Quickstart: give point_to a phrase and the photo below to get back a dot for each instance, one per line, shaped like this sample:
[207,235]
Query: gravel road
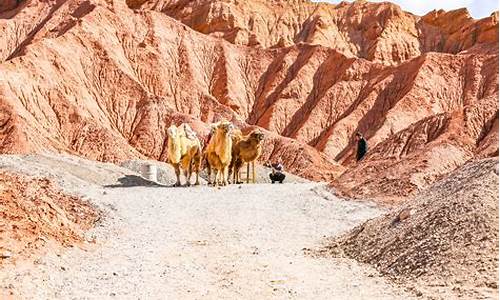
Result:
[237,242]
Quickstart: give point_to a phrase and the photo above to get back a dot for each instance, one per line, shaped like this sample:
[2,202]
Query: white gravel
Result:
[237,242]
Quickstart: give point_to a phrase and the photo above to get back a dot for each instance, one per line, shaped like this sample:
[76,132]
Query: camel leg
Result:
[225,175]
[177,175]
[188,173]
[230,173]
[197,171]
[209,173]
[248,173]
[217,178]
[186,176]
[237,174]
[253,172]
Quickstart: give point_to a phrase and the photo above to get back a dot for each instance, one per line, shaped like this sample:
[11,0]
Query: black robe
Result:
[362,149]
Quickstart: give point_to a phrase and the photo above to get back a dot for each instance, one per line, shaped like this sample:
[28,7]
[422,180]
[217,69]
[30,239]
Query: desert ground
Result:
[127,237]
[157,242]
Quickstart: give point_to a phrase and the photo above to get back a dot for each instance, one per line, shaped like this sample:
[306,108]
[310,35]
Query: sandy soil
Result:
[238,242]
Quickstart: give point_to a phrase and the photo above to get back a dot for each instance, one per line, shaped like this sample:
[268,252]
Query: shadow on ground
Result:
[134,180]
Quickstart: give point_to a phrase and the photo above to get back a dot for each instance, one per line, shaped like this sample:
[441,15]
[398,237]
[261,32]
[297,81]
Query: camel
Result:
[184,152]
[237,135]
[218,152]
[246,149]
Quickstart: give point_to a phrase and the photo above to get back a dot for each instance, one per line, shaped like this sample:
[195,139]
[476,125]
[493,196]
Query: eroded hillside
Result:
[104,79]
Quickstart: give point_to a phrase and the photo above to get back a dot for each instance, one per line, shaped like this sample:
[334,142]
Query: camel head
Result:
[225,128]
[257,135]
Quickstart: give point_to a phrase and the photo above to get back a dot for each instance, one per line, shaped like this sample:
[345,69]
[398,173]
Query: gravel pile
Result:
[443,241]
[35,213]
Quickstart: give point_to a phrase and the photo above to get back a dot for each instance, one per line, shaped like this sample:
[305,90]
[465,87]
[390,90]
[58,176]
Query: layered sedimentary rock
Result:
[104,79]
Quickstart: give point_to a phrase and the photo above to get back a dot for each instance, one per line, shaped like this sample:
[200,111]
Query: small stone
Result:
[404,214]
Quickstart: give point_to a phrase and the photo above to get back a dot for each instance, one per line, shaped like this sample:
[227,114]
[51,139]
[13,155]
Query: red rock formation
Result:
[104,79]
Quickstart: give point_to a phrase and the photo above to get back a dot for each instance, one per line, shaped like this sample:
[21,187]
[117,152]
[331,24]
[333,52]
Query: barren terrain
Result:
[443,243]
[236,242]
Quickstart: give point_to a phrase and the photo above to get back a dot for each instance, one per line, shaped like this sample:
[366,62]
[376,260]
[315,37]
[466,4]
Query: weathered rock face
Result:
[100,79]
[379,32]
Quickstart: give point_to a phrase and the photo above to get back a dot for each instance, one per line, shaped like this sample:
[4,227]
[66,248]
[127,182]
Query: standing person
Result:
[277,172]
[362,147]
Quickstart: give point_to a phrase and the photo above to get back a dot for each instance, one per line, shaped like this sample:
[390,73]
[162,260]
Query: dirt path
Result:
[232,243]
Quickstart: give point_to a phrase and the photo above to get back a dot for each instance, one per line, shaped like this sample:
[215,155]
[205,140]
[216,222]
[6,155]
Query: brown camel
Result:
[246,149]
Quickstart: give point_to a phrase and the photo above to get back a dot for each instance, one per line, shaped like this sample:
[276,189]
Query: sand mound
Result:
[445,238]
[34,213]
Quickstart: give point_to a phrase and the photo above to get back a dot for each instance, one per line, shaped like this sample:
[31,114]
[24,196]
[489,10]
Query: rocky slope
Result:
[445,240]
[103,79]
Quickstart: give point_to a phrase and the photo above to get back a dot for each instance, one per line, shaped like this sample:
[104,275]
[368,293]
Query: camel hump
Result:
[172,131]
[189,133]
